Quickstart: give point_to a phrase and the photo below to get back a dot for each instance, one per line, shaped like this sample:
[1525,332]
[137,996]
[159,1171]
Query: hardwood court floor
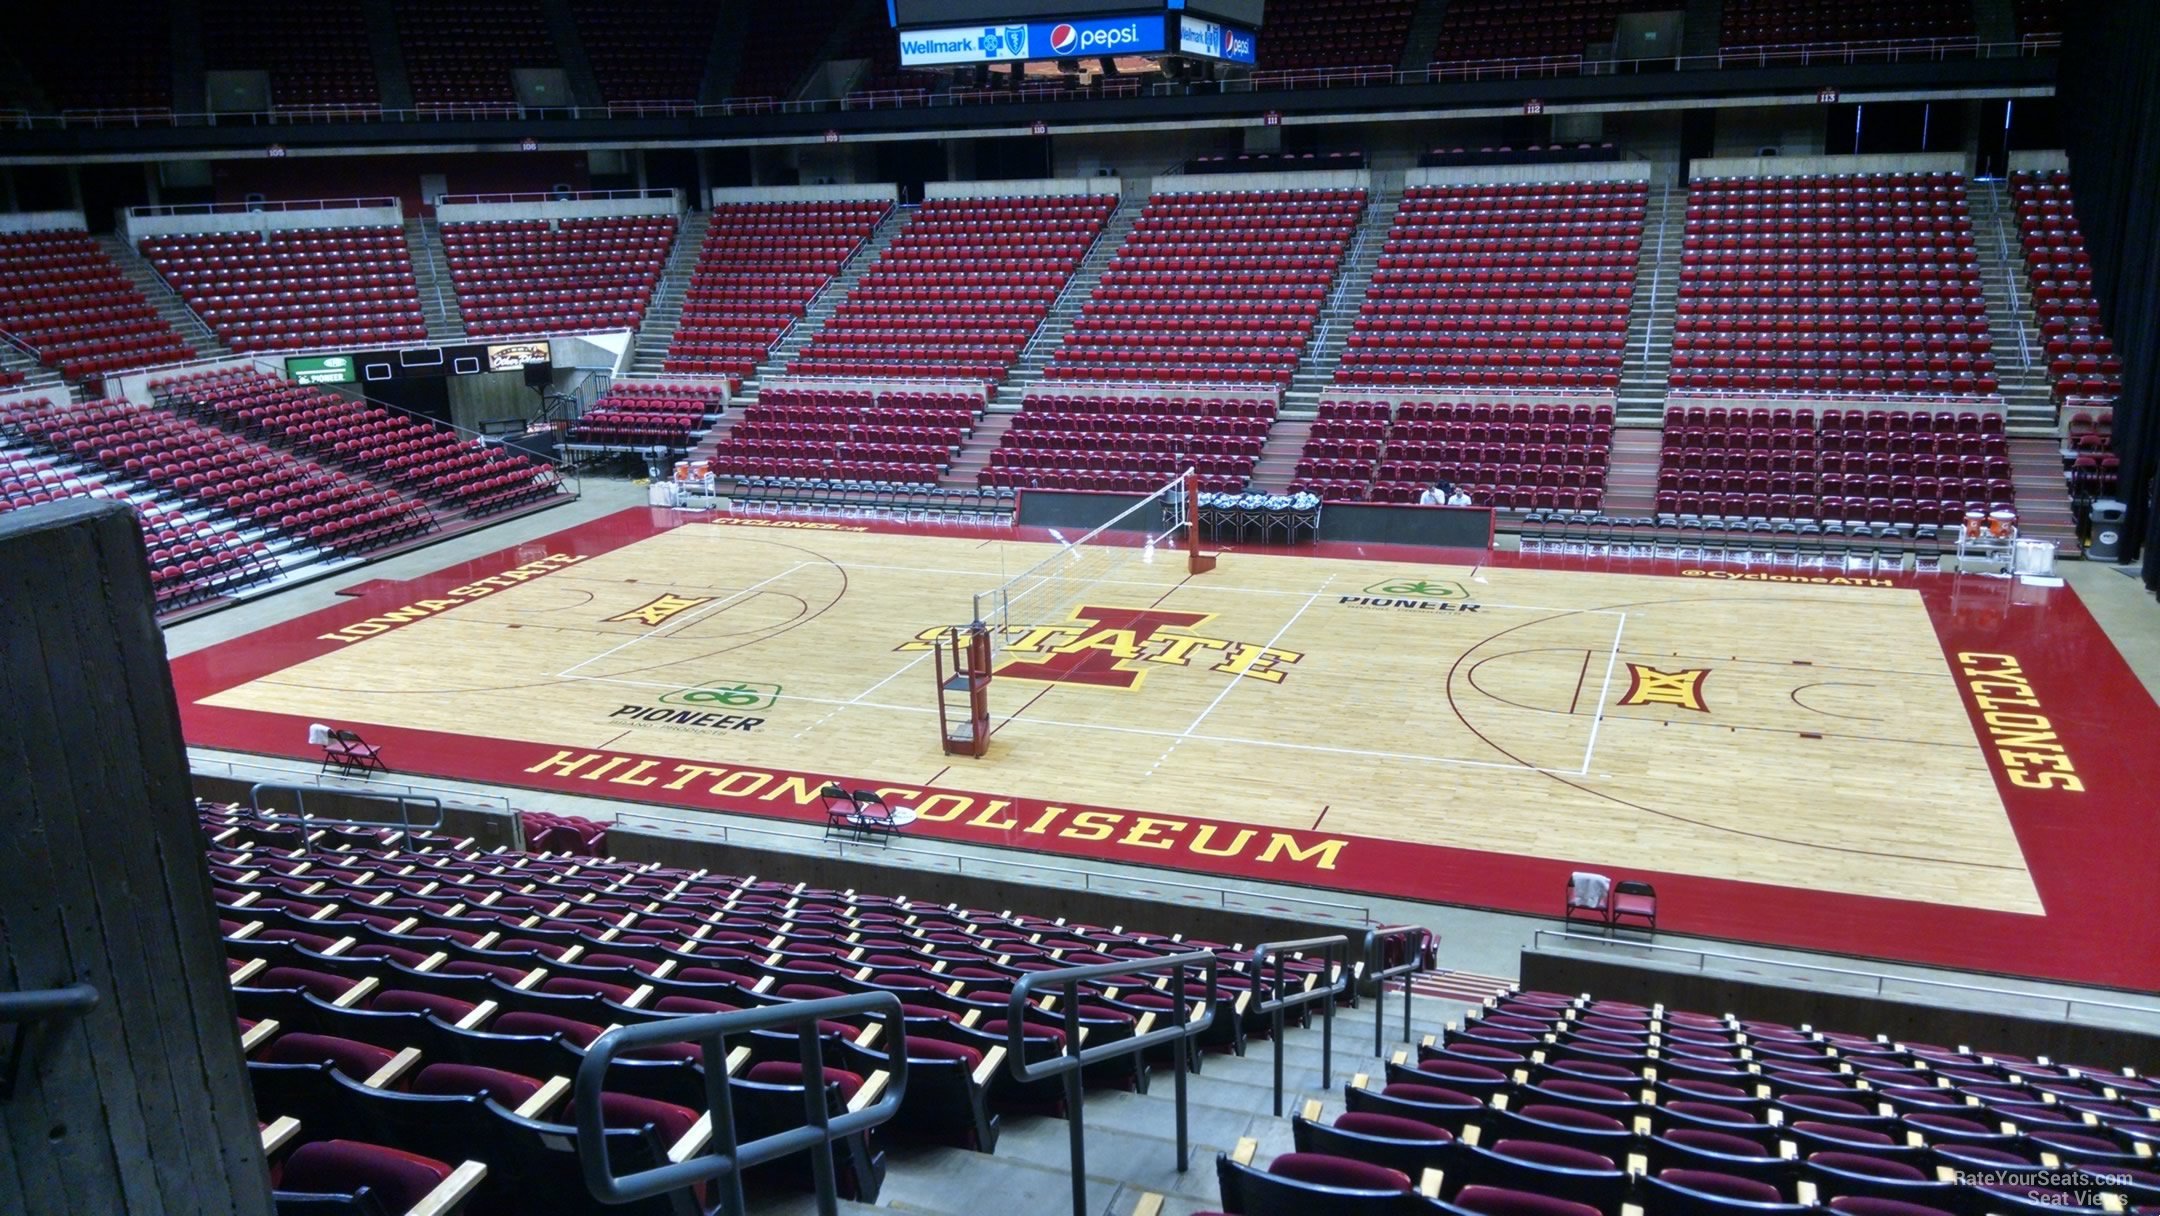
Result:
[1386,725]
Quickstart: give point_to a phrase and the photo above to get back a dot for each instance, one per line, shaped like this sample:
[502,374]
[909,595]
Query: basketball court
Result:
[1869,764]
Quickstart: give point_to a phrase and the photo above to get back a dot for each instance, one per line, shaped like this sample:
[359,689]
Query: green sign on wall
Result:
[321,369]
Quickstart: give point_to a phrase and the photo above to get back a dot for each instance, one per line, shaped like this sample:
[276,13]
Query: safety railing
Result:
[1377,75]
[557,196]
[724,1157]
[1269,963]
[304,820]
[265,205]
[26,1010]
[1180,1035]
[1394,952]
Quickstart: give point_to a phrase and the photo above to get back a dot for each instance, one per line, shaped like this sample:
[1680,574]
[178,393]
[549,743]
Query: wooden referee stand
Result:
[963,676]
[1196,561]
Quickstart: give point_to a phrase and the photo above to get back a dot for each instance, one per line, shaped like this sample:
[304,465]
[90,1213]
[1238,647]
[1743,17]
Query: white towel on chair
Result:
[1588,890]
[318,735]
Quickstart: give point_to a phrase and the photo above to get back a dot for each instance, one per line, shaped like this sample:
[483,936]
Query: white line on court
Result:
[679,624]
[1310,600]
[1611,660]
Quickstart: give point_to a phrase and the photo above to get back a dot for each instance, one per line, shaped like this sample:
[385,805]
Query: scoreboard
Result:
[939,33]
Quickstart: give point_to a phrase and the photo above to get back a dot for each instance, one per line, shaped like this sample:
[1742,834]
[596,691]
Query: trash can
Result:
[2107,527]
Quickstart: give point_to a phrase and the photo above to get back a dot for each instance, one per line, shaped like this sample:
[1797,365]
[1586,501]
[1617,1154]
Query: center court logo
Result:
[1111,647]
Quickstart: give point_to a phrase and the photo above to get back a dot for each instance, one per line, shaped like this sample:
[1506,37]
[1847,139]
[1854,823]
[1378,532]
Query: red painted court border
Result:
[2088,851]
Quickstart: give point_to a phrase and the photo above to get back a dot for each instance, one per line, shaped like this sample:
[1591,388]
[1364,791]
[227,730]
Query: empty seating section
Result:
[419,457]
[1215,288]
[780,42]
[960,291]
[1873,466]
[874,42]
[193,555]
[1541,1104]
[1334,33]
[1130,442]
[1832,285]
[2081,358]
[1529,29]
[63,298]
[1502,285]
[292,290]
[1756,23]
[756,273]
[1509,455]
[117,56]
[316,54]
[2037,18]
[257,485]
[849,434]
[534,277]
[465,51]
[635,414]
[496,970]
[646,50]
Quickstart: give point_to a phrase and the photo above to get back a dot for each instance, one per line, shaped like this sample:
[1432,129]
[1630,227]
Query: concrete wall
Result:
[138,226]
[881,191]
[670,203]
[1592,171]
[43,221]
[1200,183]
[1792,130]
[1990,1029]
[1023,187]
[2039,161]
[1788,166]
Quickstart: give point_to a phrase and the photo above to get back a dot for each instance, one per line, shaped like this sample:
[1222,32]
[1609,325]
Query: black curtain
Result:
[2110,104]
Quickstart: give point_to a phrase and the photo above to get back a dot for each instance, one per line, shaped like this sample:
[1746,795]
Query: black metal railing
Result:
[1269,966]
[301,818]
[723,1158]
[27,1010]
[1066,982]
[1411,949]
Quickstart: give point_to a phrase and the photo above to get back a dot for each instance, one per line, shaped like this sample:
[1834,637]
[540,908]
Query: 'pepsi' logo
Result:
[1064,38]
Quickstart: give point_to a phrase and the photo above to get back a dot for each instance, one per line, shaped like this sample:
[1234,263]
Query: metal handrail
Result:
[1416,961]
[1882,980]
[304,820]
[149,211]
[725,1157]
[1334,953]
[26,1009]
[1289,79]
[1067,981]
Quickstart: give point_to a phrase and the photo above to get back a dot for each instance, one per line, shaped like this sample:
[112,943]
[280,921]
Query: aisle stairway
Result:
[431,278]
[1131,1138]
[1332,331]
[664,314]
[168,303]
[2020,365]
[1648,357]
[1074,298]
